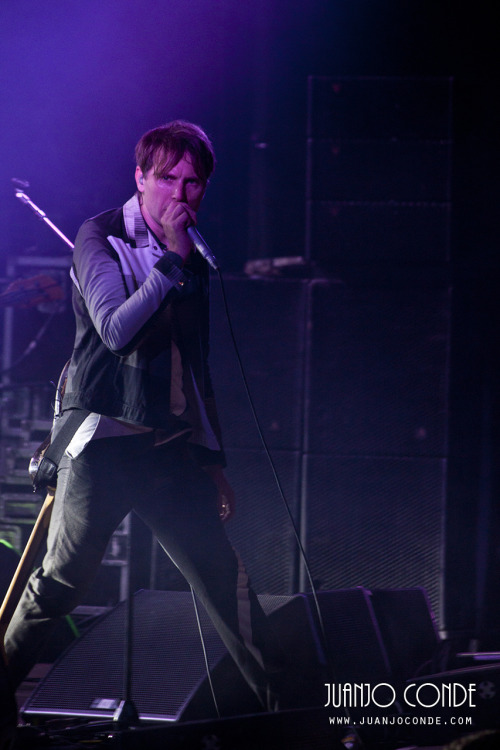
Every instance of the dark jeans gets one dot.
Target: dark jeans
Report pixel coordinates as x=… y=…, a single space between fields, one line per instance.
x=178 y=501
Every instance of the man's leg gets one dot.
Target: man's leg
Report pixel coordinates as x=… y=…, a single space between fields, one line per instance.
x=88 y=506
x=182 y=511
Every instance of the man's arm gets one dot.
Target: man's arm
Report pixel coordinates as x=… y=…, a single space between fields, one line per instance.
x=121 y=318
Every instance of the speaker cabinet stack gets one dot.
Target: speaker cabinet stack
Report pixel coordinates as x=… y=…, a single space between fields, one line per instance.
x=378 y=171
x=348 y=366
x=378 y=223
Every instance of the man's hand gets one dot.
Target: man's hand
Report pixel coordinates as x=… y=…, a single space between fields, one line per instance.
x=225 y=493
x=176 y=218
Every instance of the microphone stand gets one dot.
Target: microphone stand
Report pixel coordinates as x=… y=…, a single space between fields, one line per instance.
x=21 y=195
x=126 y=714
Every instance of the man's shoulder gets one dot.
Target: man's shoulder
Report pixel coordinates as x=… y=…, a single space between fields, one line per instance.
x=107 y=223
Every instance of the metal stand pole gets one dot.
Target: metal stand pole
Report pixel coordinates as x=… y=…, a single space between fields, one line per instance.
x=126 y=715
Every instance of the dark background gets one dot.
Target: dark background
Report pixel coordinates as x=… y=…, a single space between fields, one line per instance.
x=80 y=82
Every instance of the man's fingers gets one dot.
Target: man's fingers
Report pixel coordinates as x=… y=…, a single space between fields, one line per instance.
x=226 y=508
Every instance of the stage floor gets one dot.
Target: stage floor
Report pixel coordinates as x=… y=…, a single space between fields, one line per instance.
x=302 y=729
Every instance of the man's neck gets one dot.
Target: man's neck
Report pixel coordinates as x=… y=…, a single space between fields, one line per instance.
x=153 y=226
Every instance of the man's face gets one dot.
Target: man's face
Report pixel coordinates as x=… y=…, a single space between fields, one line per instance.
x=180 y=184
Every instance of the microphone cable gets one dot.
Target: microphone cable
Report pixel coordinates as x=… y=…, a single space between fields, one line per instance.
x=205 y=653
x=283 y=499
x=275 y=473
x=354 y=740
x=272 y=464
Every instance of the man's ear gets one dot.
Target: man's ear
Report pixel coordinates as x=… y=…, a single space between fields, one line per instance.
x=139 y=179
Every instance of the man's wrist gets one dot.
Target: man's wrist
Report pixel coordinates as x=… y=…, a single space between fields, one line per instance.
x=170 y=265
x=174 y=258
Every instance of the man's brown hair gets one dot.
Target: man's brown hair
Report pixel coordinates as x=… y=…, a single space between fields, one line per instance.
x=161 y=148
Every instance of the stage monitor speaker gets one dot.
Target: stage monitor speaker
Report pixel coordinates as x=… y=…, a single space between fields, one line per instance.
x=356 y=651
x=167 y=663
x=409 y=631
x=347 y=647
x=168 y=672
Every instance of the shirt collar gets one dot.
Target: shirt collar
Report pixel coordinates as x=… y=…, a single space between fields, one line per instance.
x=135 y=226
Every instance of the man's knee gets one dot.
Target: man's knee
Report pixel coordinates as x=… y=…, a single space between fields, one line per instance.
x=47 y=597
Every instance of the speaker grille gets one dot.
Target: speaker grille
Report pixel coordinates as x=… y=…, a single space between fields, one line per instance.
x=261 y=530
x=379 y=370
x=376 y=522
x=167 y=663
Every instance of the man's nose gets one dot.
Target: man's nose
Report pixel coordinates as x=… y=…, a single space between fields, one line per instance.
x=180 y=192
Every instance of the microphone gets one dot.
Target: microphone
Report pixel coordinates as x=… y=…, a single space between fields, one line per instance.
x=202 y=247
x=19 y=184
